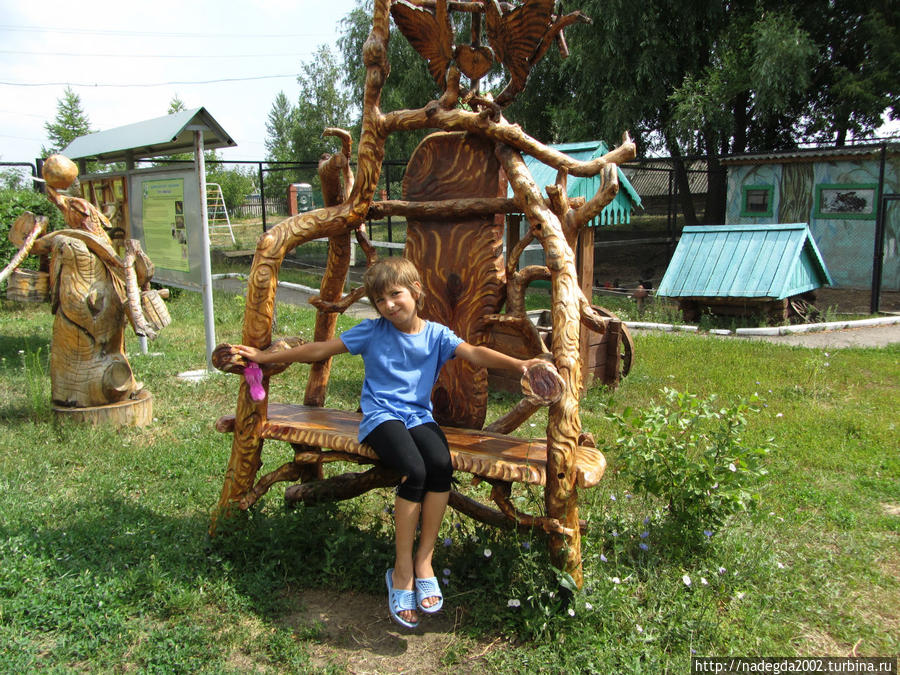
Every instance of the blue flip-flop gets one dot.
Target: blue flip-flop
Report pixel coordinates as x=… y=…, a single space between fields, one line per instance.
x=399 y=600
x=429 y=588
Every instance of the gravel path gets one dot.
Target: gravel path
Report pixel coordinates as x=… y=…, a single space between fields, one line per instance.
x=870 y=336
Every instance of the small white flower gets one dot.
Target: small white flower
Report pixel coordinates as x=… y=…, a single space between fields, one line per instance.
x=780 y=565
x=686 y=579
x=513 y=602
x=602 y=558
x=571 y=612
x=488 y=553
x=740 y=595
x=732 y=467
x=639 y=628
x=703 y=581
x=616 y=580
x=722 y=570
x=779 y=415
x=612 y=497
x=588 y=606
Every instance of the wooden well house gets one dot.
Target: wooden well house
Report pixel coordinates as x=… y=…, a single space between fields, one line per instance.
x=740 y=270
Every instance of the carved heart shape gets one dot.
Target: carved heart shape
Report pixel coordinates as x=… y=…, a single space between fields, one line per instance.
x=474 y=62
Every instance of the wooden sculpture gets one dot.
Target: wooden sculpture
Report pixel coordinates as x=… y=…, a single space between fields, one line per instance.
x=92 y=292
x=454 y=202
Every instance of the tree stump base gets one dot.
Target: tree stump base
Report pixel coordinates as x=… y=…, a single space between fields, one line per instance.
x=133 y=412
x=28 y=286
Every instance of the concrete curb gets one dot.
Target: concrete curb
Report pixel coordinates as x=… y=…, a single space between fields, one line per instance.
x=774 y=330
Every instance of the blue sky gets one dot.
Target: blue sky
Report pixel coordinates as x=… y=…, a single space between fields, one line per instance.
x=89 y=45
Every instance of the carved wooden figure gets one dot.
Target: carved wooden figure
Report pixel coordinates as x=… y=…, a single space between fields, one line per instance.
x=454 y=201
x=93 y=292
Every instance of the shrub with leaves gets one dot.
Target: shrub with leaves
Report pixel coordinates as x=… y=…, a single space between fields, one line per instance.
x=13 y=203
x=693 y=455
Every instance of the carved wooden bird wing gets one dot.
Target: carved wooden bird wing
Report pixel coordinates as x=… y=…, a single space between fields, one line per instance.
x=515 y=38
x=431 y=35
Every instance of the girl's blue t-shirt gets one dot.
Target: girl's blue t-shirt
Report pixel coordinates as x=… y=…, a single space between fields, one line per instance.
x=401 y=370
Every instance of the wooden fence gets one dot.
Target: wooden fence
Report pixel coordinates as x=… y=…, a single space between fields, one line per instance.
x=252 y=207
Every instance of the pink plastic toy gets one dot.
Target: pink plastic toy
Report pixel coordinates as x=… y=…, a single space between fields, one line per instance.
x=253 y=375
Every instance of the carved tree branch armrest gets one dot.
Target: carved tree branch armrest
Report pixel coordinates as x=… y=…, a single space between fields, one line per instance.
x=542 y=384
x=226 y=359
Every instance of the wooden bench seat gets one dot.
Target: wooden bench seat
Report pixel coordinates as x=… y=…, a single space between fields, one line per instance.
x=481 y=453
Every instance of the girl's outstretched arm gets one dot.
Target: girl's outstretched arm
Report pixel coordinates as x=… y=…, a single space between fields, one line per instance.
x=309 y=352
x=485 y=357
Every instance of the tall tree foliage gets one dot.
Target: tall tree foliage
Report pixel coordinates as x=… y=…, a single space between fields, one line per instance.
x=323 y=102
x=722 y=76
x=409 y=84
x=294 y=133
x=70 y=122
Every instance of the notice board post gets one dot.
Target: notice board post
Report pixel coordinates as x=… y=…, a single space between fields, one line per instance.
x=206 y=265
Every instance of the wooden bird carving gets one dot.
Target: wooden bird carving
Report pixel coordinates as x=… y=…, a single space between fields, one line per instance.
x=431 y=35
x=517 y=38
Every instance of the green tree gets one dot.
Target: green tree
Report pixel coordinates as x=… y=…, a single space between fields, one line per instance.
x=236 y=183
x=409 y=84
x=294 y=133
x=323 y=102
x=279 y=126
x=176 y=105
x=70 y=123
x=717 y=77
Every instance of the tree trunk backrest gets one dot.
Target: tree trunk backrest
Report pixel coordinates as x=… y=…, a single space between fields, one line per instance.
x=461 y=262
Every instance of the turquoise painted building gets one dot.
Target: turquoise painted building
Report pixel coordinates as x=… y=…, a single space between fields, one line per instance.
x=837 y=191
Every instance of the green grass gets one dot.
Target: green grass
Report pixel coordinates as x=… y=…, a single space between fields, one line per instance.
x=105 y=564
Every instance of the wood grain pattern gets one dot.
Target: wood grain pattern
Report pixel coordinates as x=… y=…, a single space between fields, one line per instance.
x=460 y=262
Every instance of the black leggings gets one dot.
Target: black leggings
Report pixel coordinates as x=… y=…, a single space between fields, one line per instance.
x=421 y=454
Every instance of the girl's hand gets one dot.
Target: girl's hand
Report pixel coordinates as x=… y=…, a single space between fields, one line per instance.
x=541 y=382
x=533 y=362
x=249 y=353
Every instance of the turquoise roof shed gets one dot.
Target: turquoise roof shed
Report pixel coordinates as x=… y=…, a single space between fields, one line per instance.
x=617 y=211
x=774 y=261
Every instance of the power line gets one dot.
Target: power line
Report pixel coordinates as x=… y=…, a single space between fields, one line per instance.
x=120 y=56
x=133 y=33
x=154 y=84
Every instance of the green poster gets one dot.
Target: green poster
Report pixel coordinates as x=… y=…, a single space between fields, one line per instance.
x=165 y=235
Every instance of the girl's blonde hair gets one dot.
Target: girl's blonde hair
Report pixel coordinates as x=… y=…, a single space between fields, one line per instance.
x=396 y=271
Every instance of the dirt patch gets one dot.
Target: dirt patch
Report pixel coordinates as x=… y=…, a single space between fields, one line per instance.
x=355 y=632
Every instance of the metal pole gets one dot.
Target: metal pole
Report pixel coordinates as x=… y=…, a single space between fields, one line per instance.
x=262 y=197
x=878 y=255
x=129 y=167
x=206 y=267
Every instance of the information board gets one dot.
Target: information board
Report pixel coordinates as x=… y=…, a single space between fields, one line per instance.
x=165 y=211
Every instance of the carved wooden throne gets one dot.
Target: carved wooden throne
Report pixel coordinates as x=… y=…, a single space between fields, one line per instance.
x=454 y=202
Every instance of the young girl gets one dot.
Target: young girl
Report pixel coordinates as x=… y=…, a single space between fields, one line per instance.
x=403 y=355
